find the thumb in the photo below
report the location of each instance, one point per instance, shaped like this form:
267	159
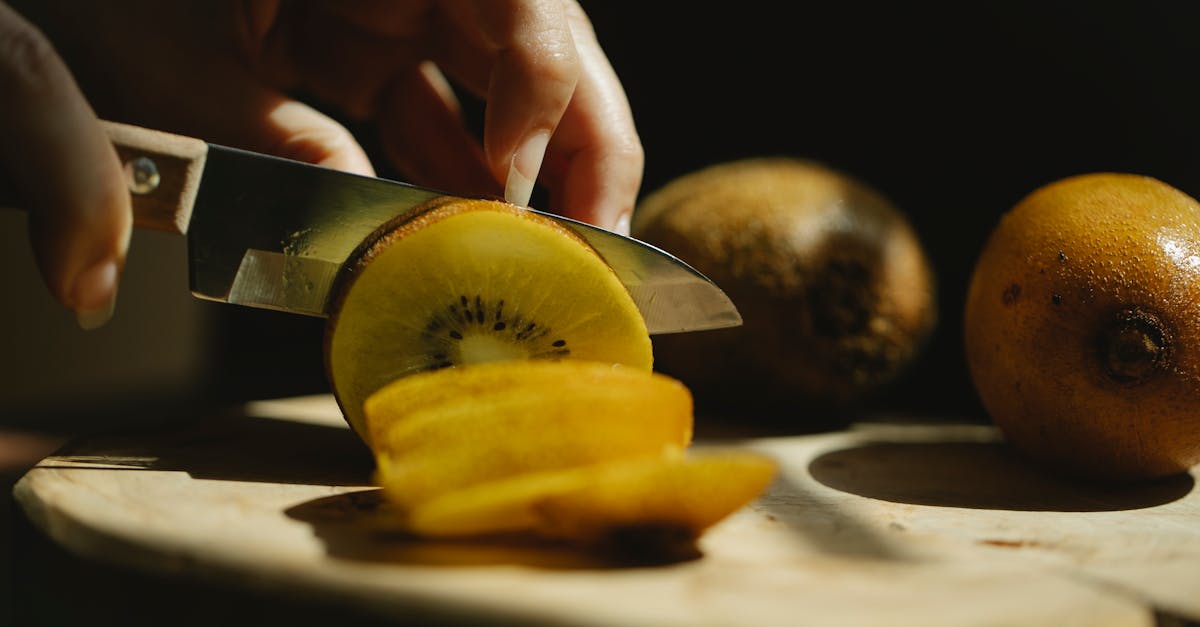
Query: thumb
64	170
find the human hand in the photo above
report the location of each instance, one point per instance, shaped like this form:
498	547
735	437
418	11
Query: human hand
547	86
64	170
224	71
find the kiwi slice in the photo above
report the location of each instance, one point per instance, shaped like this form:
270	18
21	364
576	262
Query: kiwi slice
646	500
448	429
462	282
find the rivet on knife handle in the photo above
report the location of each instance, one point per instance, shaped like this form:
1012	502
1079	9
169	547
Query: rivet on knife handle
163	196
162	171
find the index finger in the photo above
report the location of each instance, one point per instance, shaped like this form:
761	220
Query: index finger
535	68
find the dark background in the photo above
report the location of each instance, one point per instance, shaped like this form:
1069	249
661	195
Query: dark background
953	113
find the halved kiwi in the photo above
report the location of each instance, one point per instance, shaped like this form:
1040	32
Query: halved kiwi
472	281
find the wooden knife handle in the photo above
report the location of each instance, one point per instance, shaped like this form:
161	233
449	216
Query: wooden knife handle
163	173
178	162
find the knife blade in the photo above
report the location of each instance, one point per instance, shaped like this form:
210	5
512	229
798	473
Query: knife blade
274	233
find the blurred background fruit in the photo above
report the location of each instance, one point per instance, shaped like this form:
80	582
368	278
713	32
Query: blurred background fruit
836	293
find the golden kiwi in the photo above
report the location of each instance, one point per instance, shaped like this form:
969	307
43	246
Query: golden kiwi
647	500
473	281
573	450
835	289
501	375
1081	327
438	431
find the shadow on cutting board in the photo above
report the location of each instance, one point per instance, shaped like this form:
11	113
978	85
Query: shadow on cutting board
979	475
234	448
356	526
353	525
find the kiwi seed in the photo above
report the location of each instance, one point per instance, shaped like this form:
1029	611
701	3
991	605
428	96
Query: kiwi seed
474	330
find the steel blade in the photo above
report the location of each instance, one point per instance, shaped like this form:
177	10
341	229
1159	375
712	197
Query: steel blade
274	233
672	296
301	222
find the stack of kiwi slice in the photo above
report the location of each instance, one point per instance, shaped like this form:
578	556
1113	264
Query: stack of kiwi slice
574	450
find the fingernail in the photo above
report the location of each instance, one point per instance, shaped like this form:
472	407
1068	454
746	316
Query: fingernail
523	171
622	225
95	295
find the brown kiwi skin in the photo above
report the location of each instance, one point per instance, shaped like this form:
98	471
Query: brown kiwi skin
1080	327
399	227
836	292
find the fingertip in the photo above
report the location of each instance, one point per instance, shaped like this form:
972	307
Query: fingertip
622	224
524	167
94	290
94	294
80	231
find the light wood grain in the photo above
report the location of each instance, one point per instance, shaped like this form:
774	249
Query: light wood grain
896	524
178	160
180	164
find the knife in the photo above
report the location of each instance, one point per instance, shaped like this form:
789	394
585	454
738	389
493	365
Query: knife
274	233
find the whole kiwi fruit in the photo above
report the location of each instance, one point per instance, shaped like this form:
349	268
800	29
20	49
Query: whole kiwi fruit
836	291
1082	331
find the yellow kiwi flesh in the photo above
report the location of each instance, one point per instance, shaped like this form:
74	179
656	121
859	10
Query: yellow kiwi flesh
572	450
474	281
444	430
673	497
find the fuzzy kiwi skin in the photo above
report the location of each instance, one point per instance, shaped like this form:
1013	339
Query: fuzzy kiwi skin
835	290
1081	327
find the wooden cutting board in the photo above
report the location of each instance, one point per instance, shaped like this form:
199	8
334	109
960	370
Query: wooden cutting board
880	523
